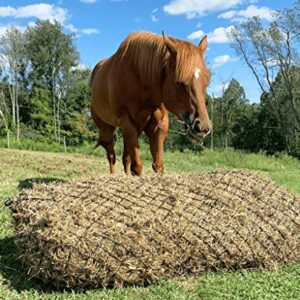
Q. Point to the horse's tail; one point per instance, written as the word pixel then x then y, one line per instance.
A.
pixel 98 144
pixel 97 121
pixel 93 113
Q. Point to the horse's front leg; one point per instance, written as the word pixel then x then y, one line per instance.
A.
pixel 157 130
pixel 131 147
pixel 126 159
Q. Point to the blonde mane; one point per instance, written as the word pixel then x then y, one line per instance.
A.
pixel 149 55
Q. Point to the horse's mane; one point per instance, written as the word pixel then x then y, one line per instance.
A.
pixel 149 55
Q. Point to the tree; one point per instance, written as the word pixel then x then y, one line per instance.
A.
pixel 3 115
pixel 52 55
pixel 231 102
pixel 267 50
pixel 77 125
pixel 224 111
pixel 289 137
pixel 13 59
pixel 41 113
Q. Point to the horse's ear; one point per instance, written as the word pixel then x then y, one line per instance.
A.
pixel 169 44
pixel 203 44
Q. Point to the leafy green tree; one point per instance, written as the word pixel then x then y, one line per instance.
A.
pixel 290 136
pixel 225 111
pixel 12 61
pixel 41 115
pixel 77 124
pixel 52 55
pixel 232 103
pixel 270 50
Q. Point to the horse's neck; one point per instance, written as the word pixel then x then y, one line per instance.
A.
pixel 152 77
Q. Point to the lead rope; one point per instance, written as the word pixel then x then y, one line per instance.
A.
pixel 185 133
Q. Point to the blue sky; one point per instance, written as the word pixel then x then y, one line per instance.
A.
pixel 100 26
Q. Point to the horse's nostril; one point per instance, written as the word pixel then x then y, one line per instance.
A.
pixel 205 130
pixel 197 127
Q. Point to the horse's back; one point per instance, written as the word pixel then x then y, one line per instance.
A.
pixel 124 83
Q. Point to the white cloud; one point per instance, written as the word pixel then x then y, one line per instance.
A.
pixel 221 60
pixel 217 36
pixel 88 1
pixel 78 32
pixel 264 13
pixel 89 31
pixel 196 8
pixel 41 11
pixel 228 14
pixel 72 28
pixel 154 18
pixel 6 11
pixel 196 35
pixel 80 67
pixel 219 89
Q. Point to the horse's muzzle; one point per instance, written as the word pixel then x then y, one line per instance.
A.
pixel 196 129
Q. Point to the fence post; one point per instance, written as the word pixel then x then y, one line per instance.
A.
pixel 65 144
pixel 7 137
pixel 212 121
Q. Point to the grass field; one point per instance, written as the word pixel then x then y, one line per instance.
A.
pixel 18 168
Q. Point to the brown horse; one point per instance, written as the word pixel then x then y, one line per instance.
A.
pixel 135 88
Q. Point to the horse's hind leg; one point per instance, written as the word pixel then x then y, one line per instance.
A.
pixel 106 140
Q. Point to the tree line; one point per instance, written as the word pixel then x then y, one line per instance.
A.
pixel 45 94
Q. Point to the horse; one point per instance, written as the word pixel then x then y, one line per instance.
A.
pixel 147 77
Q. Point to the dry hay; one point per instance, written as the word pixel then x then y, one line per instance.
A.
pixel 118 230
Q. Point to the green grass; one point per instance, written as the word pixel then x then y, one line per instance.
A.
pixel 19 168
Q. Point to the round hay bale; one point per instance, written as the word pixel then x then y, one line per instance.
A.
pixel 119 230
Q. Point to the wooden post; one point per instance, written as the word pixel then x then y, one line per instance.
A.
pixel 212 121
pixel 65 145
pixel 7 136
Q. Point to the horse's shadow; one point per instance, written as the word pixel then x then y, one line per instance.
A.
pixel 15 276
pixel 29 183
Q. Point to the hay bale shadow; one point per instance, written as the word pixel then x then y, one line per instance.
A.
pixel 17 278
pixel 12 271
pixel 30 182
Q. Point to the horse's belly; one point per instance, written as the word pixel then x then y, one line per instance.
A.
pixel 105 112
pixel 108 118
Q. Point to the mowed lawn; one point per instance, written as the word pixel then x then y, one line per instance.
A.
pixel 19 168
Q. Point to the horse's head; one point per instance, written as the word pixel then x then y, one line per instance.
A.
pixel 184 89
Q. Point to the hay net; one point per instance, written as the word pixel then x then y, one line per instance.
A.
pixel 119 230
